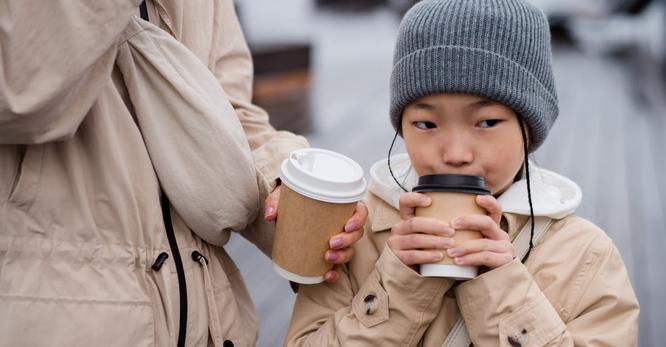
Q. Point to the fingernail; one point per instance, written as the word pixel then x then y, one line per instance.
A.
pixel 336 243
pixel 448 231
pixel 351 226
pixel 448 242
pixel 328 276
pixel 331 256
pixel 269 211
pixel 458 260
pixel 453 252
pixel 439 256
pixel 455 223
pixel 425 200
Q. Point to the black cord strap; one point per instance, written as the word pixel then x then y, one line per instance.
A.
pixel 389 161
pixel 180 271
pixel 529 188
pixel 143 10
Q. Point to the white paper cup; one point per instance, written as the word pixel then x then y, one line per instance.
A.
pixel 319 194
pixel 452 196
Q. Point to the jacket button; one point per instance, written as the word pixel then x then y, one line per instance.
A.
pixel 370 302
pixel 228 343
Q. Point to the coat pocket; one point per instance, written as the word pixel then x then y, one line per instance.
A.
pixel 54 294
pixel 34 321
pixel 26 182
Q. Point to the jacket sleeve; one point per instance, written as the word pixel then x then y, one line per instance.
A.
pixel 393 307
pixel 233 68
pixel 55 58
pixel 506 307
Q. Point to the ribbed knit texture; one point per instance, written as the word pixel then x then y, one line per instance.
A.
pixel 497 49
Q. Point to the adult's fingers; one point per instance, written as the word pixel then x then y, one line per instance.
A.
pixel 341 256
pixel 271 205
pixel 410 201
pixel 344 239
pixel 333 275
pixel 358 219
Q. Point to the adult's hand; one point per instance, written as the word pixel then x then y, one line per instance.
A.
pixel 340 245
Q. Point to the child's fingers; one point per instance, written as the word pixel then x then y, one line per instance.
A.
pixel 420 242
pixel 271 205
pixel 489 259
pixel 358 219
pixel 414 257
pixel 410 201
pixel 423 225
pixel 480 246
pixel 484 224
pixel 491 205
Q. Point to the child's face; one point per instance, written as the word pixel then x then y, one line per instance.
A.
pixel 464 134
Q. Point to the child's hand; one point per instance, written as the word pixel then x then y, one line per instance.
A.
pixel 341 250
pixel 495 249
pixel 418 240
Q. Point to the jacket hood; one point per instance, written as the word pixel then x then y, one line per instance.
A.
pixel 553 195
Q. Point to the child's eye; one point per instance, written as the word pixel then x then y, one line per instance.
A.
pixel 488 123
pixel 425 125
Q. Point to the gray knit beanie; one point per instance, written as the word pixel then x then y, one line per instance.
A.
pixel 497 49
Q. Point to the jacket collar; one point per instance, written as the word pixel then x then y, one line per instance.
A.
pixel 384 216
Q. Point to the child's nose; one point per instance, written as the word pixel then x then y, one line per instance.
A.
pixel 457 154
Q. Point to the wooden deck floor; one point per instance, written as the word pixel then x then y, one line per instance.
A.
pixel 610 138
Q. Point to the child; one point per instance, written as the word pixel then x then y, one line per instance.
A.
pixel 472 92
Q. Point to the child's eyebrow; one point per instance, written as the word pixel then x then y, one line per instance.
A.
pixel 480 104
pixel 424 106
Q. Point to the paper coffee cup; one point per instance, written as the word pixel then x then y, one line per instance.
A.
pixel 452 196
pixel 319 194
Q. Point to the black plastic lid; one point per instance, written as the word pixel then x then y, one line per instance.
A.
pixel 452 183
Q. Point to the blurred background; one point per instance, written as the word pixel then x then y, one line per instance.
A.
pixel 322 70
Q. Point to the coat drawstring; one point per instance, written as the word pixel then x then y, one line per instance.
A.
pixel 213 314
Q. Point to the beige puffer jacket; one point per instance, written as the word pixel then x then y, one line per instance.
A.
pixel 572 291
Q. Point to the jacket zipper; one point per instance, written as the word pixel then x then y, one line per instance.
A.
pixel 180 271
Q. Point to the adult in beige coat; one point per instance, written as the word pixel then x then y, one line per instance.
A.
pixel 101 114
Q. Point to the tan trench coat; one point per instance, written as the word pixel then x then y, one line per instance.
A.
pixel 95 106
pixel 573 291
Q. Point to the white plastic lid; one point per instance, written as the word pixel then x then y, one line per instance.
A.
pixel 323 175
